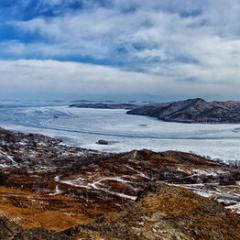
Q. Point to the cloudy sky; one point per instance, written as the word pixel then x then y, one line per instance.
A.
pixel 126 49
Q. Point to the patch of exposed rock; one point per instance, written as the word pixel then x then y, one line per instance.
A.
pixel 11 231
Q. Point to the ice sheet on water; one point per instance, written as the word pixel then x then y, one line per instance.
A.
pixel 30 116
pixel 83 127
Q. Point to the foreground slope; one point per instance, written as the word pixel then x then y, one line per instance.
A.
pixel 94 195
pixel 166 213
pixel 160 212
pixel 193 111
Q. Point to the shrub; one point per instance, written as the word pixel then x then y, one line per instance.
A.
pixel 3 178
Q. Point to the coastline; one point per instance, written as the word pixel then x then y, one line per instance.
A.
pixel 84 127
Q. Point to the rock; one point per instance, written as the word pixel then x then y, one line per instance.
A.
pixel 226 180
pixel 101 219
pixel 11 231
pixel 7 228
pixel 102 142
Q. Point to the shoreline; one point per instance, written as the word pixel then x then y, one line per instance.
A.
pixel 122 144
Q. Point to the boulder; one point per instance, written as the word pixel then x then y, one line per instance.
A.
pixel 226 180
pixel 102 142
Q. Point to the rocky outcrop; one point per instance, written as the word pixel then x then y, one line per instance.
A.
pixel 11 231
pixel 102 142
pixel 167 213
pixel 193 111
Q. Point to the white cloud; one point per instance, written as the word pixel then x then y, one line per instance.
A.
pixel 35 78
pixel 157 26
pixel 62 77
pixel 183 47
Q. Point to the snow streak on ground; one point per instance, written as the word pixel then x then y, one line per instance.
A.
pixel 99 185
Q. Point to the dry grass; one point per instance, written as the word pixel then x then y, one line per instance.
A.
pixel 203 218
pixel 57 213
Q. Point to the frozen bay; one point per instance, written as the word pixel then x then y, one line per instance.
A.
pixel 83 127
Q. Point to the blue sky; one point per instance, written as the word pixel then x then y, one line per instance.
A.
pixel 120 49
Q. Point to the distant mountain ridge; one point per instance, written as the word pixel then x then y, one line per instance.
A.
pixel 104 105
pixel 192 111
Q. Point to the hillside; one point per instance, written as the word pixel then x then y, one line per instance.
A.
pixel 192 111
pixel 60 192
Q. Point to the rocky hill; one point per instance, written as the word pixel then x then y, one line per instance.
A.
pixel 52 191
pixel 165 213
pixel 193 111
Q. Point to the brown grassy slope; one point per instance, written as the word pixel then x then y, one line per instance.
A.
pixel 56 212
pixel 167 213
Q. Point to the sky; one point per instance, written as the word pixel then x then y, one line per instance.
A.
pixel 119 49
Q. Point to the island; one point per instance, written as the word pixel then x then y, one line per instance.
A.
pixel 192 111
pixel 101 105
